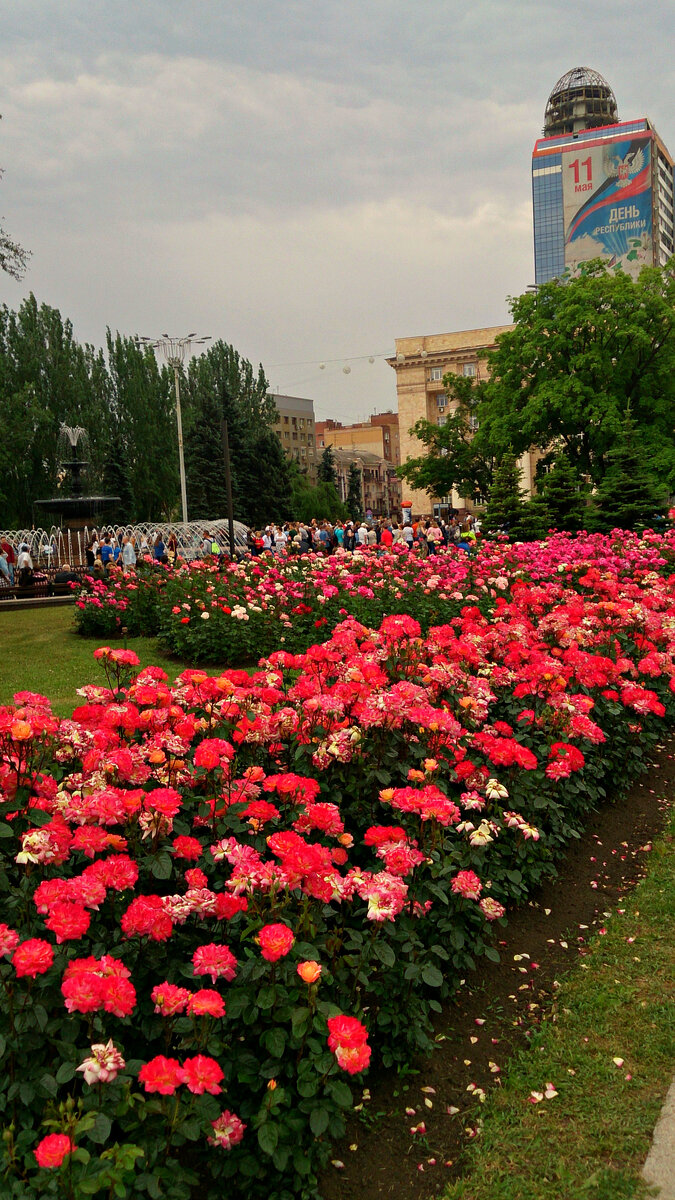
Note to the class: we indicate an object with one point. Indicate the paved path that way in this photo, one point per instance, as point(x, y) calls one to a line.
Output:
point(659, 1169)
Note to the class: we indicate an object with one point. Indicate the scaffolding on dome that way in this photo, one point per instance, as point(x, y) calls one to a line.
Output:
point(581, 99)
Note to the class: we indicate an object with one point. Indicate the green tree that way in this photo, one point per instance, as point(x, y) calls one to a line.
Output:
point(581, 350)
point(506, 498)
point(264, 481)
point(563, 495)
point(143, 440)
point(320, 502)
point(355, 492)
point(45, 380)
point(221, 385)
point(13, 257)
point(326, 468)
point(629, 495)
point(458, 455)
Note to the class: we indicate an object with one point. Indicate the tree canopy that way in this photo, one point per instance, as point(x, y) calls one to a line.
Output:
point(581, 351)
point(126, 402)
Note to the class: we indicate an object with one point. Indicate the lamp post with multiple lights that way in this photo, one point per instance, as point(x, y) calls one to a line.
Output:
point(174, 350)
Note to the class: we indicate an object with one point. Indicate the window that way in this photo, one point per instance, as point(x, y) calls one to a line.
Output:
point(441, 401)
point(302, 422)
point(436, 373)
point(469, 370)
point(473, 423)
point(285, 420)
point(441, 421)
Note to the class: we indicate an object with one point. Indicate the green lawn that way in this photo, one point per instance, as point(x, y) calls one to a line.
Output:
point(42, 653)
point(608, 1049)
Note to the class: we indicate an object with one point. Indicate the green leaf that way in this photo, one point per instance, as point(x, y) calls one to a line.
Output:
point(340, 1092)
point(48, 1084)
point(431, 975)
point(275, 1042)
point(299, 1021)
point(100, 1132)
point(384, 952)
point(268, 1137)
point(266, 996)
point(6, 830)
point(318, 1121)
point(161, 866)
point(65, 1072)
point(491, 953)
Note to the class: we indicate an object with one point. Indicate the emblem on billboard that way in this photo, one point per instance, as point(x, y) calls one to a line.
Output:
point(625, 168)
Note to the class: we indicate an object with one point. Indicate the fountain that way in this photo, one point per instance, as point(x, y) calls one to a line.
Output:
point(73, 508)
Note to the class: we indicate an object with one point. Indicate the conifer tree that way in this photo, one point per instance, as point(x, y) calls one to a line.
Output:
point(563, 494)
point(326, 468)
point(354, 493)
point(506, 497)
point(629, 495)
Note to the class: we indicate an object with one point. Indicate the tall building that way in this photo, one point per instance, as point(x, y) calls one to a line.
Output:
point(601, 187)
point(295, 428)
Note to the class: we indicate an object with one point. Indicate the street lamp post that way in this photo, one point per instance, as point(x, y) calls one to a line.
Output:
point(174, 350)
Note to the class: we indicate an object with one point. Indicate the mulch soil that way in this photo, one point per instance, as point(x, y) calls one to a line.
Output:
point(497, 1009)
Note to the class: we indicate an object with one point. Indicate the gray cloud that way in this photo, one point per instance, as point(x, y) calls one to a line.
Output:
point(307, 179)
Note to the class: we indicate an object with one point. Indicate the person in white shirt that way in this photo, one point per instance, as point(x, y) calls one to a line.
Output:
point(24, 560)
point(128, 552)
point(362, 535)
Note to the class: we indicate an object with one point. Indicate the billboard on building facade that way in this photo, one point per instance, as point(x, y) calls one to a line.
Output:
point(607, 203)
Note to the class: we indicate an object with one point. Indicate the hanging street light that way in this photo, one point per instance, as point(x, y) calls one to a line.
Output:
point(173, 351)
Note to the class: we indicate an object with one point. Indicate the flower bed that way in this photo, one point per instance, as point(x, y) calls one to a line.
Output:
point(252, 608)
point(222, 897)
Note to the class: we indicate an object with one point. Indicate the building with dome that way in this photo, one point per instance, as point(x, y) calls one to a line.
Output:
point(601, 187)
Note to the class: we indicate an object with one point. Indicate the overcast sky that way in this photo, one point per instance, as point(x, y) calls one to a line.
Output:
point(307, 180)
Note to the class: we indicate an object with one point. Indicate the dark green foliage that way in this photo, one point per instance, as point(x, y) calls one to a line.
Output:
point(506, 498)
point(220, 385)
point(326, 469)
point(307, 502)
point(142, 427)
point(127, 405)
point(456, 458)
point(580, 351)
point(355, 493)
point(563, 495)
point(264, 481)
point(629, 496)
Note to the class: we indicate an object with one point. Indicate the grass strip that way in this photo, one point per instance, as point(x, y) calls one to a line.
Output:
point(592, 1138)
point(42, 653)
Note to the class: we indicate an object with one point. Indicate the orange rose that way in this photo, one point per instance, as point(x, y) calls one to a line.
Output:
point(309, 971)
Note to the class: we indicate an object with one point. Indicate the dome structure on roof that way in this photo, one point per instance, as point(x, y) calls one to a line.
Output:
point(581, 99)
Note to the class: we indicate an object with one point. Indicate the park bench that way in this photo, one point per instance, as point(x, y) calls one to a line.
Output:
point(43, 588)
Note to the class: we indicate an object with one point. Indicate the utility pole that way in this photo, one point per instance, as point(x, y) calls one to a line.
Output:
point(174, 350)
point(228, 485)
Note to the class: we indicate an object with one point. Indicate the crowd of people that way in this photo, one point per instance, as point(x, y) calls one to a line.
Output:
point(428, 535)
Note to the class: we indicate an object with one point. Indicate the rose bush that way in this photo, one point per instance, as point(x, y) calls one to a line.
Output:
point(251, 608)
point(223, 897)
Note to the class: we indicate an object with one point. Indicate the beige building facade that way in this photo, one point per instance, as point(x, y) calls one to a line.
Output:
point(420, 364)
point(296, 429)
point(380, 485)
point(378, 435)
